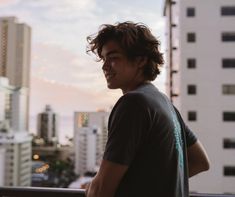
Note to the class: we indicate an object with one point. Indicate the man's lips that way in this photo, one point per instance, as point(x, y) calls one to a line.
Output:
point(109, 75)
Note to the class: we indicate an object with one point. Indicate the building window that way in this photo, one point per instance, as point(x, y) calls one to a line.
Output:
point(229, 89)
point(190, 12)
point(192, 116)
point(228, 11)
point(229, 116)
point(228, 63)
point(229, 170)
point(192, 89)
point(191, 63)
point(229, 143)
point(191, 37)
point(228, 36)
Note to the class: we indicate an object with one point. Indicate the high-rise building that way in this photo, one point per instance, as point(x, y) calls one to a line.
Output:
point(88, 148)
point(17, 166)
point(15, 46)
point(2, 163)
point(90, 136)
point(201, 82)
point(14, 138)
point(15, 53)
point(15, 49)
point(97, 119)
point(13, 106)
point(48, 126)
point(5, 92)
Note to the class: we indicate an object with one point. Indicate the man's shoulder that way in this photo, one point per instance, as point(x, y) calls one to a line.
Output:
point(130, 100)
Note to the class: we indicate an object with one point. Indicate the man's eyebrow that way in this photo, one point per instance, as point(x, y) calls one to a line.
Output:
point(110, 53)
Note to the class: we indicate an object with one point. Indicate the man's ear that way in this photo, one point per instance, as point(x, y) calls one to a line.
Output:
point(141, 61)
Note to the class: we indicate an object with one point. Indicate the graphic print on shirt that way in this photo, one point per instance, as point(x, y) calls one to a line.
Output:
point(178, 138)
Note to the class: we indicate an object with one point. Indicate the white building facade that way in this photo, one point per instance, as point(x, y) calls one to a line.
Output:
point(90, 136)
point(88, 148)
point(14, 138)
point(17, 165)
point(2, 169)
point(201, 82)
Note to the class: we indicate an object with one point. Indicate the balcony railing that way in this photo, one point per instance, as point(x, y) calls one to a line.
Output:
point(40, 192)
point(59, 192)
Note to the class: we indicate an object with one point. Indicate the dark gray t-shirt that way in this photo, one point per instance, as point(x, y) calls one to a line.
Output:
point(148, 134)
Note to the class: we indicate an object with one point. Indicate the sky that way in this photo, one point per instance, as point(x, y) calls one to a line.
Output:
point(63, 75)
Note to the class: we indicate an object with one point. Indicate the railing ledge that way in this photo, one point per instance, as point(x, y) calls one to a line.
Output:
point(66, 192)
point(40, 192)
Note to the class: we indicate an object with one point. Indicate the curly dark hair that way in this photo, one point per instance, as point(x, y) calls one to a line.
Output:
point(135, 39)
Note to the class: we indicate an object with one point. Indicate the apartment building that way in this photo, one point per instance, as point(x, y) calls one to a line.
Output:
point(15, 49)
point(90, 136)
point(200, 62)
point(15, 43)
point(14, 139)
point(2, 163)
point(15, 53)
point(88, 150)
point(17, 166)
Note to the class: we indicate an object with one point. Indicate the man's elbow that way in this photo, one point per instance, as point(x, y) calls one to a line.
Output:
point(203, 165)
point(206, 165)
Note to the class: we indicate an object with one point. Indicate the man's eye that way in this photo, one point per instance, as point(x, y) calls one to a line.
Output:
point(113, 57)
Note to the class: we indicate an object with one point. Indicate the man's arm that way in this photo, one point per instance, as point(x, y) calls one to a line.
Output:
point(198, 160)
point(107, 179)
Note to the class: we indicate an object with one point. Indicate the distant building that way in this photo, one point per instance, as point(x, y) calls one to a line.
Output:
point(13, 106)
point(87, 150)
point(201, 82)
point(2, 168)
point(17, 158)
point(48, 126)
point(97, 119)
point(90, 136)
point(14, 138)
point(15, 53)
point(5, 106)
point(15, 44)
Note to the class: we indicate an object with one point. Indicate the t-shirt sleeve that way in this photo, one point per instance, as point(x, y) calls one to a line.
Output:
point(127, 124)
point(189, 135)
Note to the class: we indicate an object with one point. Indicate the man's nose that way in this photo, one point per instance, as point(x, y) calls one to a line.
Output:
point(106, 65)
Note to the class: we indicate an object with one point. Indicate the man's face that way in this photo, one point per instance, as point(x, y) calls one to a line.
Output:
point(119, 71)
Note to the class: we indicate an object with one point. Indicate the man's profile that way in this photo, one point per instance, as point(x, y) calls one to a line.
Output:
point(150, 151)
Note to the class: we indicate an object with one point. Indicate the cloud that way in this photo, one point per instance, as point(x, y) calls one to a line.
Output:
point(71, 4)
point(66, 99)
point(52, 62)
point(59, 11)
point(8, 2)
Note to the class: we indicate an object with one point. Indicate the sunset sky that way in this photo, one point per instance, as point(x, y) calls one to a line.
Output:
point(62, 74)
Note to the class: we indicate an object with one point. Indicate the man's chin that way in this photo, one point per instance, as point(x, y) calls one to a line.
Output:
point(112, 87)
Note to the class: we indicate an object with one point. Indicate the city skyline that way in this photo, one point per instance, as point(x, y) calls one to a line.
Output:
point(60, 75)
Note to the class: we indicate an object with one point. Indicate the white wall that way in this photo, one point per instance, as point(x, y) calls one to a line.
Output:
point(2, 164)
point(209, 76)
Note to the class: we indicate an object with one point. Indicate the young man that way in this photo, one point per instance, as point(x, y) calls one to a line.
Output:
point(150, 152)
